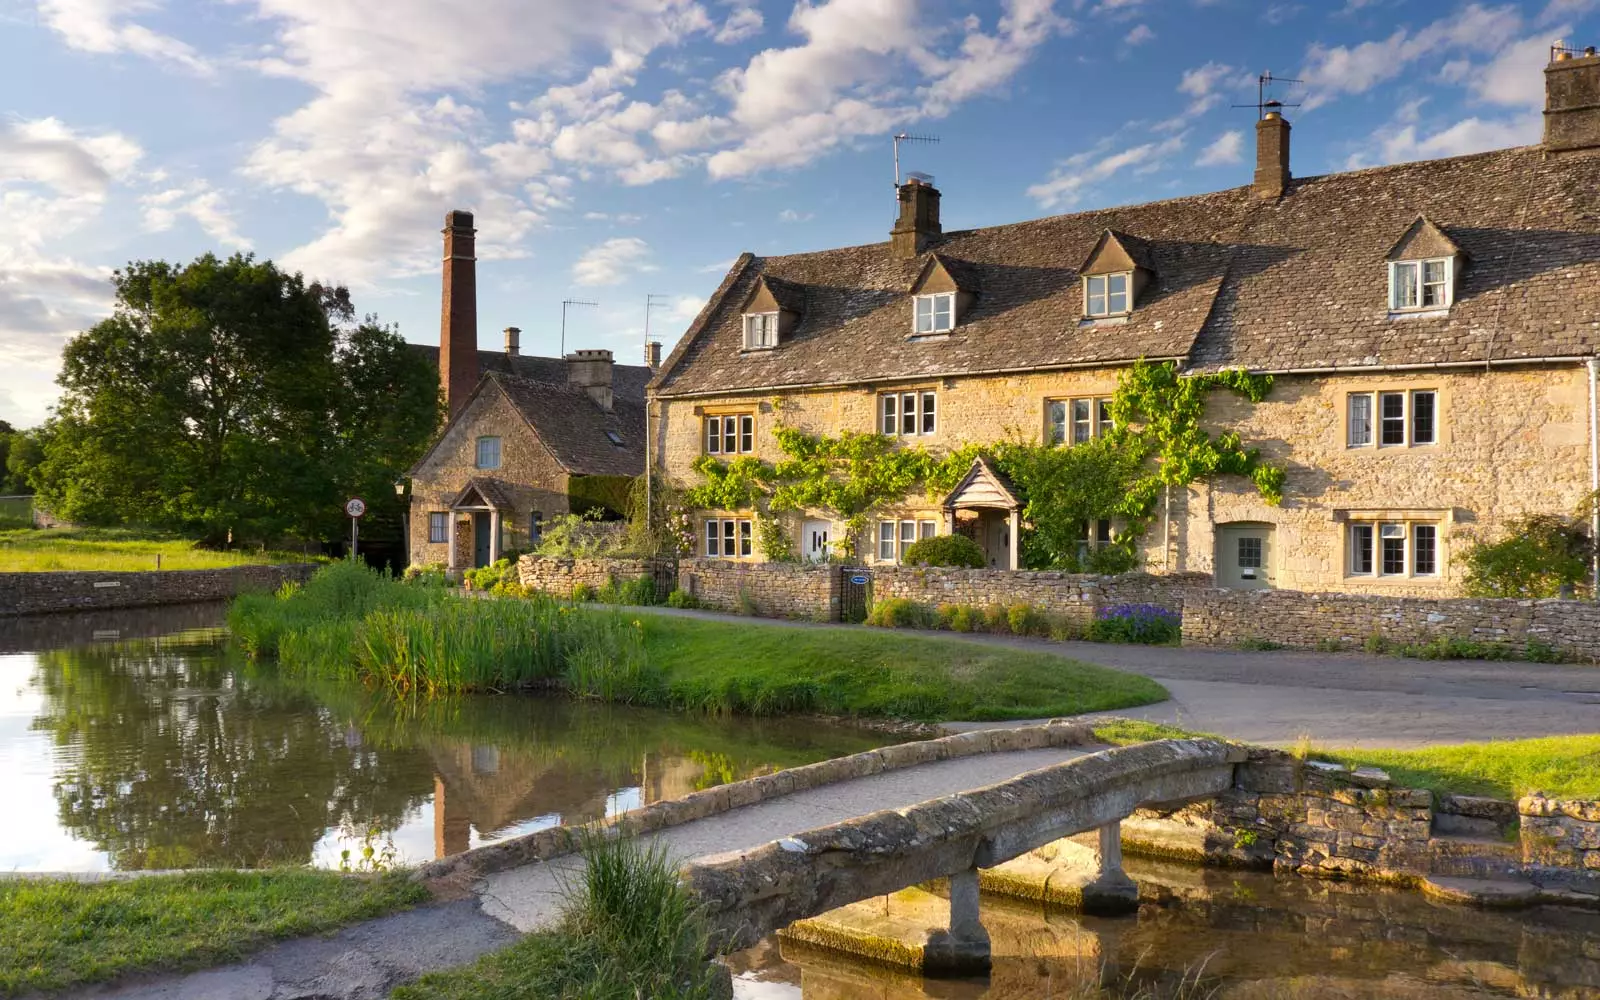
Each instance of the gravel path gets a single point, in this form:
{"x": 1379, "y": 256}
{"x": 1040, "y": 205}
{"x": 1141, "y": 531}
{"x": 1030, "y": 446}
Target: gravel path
{"x": 1337, "y": 699}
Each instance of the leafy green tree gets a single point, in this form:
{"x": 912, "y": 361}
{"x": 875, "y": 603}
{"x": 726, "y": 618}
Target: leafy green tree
{"x": 20, "y": 455}
{"x": 232, "y": 400}
{"x": 1538, "y": 556}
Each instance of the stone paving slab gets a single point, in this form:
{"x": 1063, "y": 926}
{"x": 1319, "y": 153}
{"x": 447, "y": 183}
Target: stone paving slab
{"x": 530, "y": 897}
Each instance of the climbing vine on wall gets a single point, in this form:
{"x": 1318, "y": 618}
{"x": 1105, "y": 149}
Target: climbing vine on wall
{"x": 1157, "y": 442}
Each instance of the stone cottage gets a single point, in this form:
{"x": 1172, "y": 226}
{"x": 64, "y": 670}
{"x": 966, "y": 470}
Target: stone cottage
{"x": 1431, "y": 328}
{"x": 527, "y": 437}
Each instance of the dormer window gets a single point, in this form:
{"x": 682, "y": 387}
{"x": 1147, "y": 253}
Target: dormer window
{"x": 760, "y": 331}
{"x": 1420, "y": 284}
{"x": 935, "y": 313}
{"x": 1106, "y": 294}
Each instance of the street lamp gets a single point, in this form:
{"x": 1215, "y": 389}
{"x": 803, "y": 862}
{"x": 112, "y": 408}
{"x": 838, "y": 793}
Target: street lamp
{"x": 405, "y": 531}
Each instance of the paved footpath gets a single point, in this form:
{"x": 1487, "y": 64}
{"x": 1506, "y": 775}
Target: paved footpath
{"x": 1337, "y": 699}
{"x": 368, "y": 960}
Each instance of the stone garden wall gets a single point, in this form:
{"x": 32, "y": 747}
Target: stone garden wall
{"x": 45, "y": 593}
{"x": 1228, "y": 617}
{"x": 771, "y": 590}
{"x": 1073, "y": 597}
{"x": 560, "y": 576}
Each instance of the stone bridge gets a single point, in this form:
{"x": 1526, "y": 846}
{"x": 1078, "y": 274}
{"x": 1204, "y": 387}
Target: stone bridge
{"x": 767, "y": 852}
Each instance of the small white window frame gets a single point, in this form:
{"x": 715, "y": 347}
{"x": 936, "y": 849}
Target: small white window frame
{"x": 481, "y": 458}
{"x": 760, "y": 331}
{"x": 721, "y": 428}
{"x": 438, "y": 527}
{"x": 933, "y": 313}
{"x": 1099, "y": 420}
{"x": 1375, "y": 419}
{"x": 729, "y": 538}
{"x": 897, "y": 535}
{"x": 1419, "y": 268}
{"x": 908, "y": 413}
{"x": 1099, "y": 286}
{"x": 1406, "y": 532}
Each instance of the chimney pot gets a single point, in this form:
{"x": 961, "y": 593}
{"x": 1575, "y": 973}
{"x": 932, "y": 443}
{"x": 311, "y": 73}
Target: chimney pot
{"x": 513, "y": 341}
{"x": 458, "y": 314}
{"x": 1272, "y": 155}
{"x": 1572, "y": 102}
{"x": 590, "y": 370}
{"x": 918, "y": 224}
{"x": 652, "y": 354}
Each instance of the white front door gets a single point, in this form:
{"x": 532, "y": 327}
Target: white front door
{"x": 814, "y": 542}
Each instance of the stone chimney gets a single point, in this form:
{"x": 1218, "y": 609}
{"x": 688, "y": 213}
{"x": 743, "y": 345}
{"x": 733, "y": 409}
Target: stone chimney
{"x": 1272, "y": 153}
{"x": 458, "y": 317}
{"x": 591, "y": 372}
{"x": 1572, "y": 101}
{"x": 652, "y": 354}
{"x": 513, "y": 341}
{"x": 918, "y": 224}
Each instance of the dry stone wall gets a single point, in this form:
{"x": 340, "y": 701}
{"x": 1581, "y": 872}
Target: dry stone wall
{"x": 46, "y": 593}
{"x": 771, "y": 590}
{"x": 1227, "y": 617}
{"x": 561, "y": 576}
{"x": 1561, "y": 835}
{"x": 1066, "y": 595}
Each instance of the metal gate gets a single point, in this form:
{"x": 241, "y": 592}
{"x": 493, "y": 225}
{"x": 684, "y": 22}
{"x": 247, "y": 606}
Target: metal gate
{"x": 855, "y": 593}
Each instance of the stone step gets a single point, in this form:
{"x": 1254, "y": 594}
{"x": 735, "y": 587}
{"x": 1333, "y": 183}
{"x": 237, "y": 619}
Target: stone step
{"x": 1489, "y": 893}
{"x": 1473, "y": 857}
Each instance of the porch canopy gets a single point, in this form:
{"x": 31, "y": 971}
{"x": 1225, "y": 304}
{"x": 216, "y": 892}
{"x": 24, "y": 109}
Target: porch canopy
{"x": 479, "y": 496}
{"x": 986, "y": 490}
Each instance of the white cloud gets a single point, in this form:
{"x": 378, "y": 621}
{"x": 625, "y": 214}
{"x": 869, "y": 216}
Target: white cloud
{"x": 1558, "y": 10}
{"x": 101, "y": 26}
{"x": 1228, "y": 148}
{"x": 684, "y": 308}
{"x": 1207, "y": 85}
{"x": 1515, "y": 76}
{"x": 1074, "y": 176}
{"x": 1140, "y": 34}
{"x": 611, "y": 262}
{"x": 1344, "y": 69}
{"x": 790, "y": 215}
{"x": 743, "y": 23}
{"x": 200, "y": 202}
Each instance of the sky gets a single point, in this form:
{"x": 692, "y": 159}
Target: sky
{"x": 616, "y": 149}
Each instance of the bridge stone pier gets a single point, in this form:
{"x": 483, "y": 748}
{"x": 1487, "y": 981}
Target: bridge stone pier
{"x": 750, "y": 894}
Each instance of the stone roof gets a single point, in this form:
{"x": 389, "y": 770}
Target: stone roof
{"x": 575, "y": 429}
{"x": 627, "y": 380}
{"x": 1295, "y": 283}
{"x": 486, "y": 491}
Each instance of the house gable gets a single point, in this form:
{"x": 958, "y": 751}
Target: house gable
{"x": 1422, "y": 241}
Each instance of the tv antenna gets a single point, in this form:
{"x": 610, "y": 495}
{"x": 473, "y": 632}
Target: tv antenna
{"x": 652, "y": 301}
{"x": 564, "y": 304}
{"x": 906, "y": 137}
{"x": 1262, "y": 105}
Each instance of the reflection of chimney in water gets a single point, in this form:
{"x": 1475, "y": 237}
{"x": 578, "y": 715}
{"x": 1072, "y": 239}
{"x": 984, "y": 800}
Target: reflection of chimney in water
{"x": 452, "y": 834}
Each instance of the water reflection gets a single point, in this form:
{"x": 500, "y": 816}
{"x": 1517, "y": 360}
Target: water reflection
{"x": 1246, "y": 935}
{"x": 173, "y": 752}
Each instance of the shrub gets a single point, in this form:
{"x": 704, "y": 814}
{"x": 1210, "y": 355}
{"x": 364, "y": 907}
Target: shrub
{"x": 1254, "y": 644}
{"x": 747, "y": 604}
{"x": 996, "y": 619}
{"x": 429, "y": 575}
{"x": 582, "y": 592}
{"x": 1538, "y": 556}
{"x": 640, "y": 591}
{"x": 1066, "y": 630}
{"x": 1025, "y": 619}
{"x": 486, "y": 578}
{"x": 899, "y": 612}
{"x": 1143, "y": 623}
{"x": 965, "y": 619}
{"x": 945, "y": 550}
{"x": 682, "y": 599}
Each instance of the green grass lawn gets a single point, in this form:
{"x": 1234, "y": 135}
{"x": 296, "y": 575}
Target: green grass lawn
{"x": 57, "y": 934}
{"x": 1562, "y": 766}
{"x": 26, "y": 550}
{"x": 726, "y": 666}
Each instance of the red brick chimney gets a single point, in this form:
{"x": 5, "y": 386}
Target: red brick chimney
{"x": 458, "y": 317}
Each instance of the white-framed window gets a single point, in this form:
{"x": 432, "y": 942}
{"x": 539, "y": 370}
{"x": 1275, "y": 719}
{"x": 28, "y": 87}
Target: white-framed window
{"x": 1107, "y": 294}
{"x": 729, "y": 537}
{"x": 1392, "y": 419}
{"x": 1077, "y": 421}
{"x": 934, "y": 313}
{"x": 760, "y": 331}
{"x": 894, "y": 537}
{"x": 1392, "y": 549}
{"x": 438, "y": 526}
{"x": 489, "y": 452}
{"x": 1094, "y": 535}
{"x": 908, "y": 414}
{"x": 731, "y": 434}
{"x": 1420, "y": 284}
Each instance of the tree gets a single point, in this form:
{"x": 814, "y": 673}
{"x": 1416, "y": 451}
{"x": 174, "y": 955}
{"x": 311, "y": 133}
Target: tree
{"x": 20, "y": 454}
{"x": 232, "y": 400}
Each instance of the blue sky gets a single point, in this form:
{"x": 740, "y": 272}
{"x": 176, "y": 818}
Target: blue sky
{"x": 614, "y": 148}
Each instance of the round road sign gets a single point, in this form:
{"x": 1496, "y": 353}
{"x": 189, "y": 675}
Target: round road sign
{"x": 355, "y": 506}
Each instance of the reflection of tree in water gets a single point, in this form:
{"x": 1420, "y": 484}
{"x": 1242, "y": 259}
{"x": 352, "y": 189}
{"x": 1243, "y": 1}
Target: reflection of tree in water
{"x": 175, "y": 758}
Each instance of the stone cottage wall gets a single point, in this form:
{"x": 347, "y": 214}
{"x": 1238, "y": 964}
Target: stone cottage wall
{"x": 1227, "y": 617}
{"x": 1561, "y": 837}
{"x": 560, "y": 576}
{"x": 773, "y": 590}
{"x": 43, "y": 593}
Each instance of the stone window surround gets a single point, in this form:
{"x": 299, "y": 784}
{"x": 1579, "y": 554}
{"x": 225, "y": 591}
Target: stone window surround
{"x": 921, "y": 526}
{"x": 744, "y": 420}
{"x": 743, "y": 534}
{"x": 1374, "y": 387}
{"x": 1439, "y": 520}
{"x": 1099, "y": 418}
{"x": 922, "y": 394}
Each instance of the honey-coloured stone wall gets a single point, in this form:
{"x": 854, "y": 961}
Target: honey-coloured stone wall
{"x": 770, "y": 590}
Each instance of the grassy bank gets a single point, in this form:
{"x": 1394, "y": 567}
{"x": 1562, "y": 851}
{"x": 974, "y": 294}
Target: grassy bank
{"x": 352, "y": 624}
{"x": 1562, "y": 766}
{"x": 27, "y": 550}
{"x": 59, "y": 934}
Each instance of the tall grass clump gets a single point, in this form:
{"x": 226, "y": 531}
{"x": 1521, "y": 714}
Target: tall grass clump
{"x": 627, "y": 930}
{"x": 340, "y": 591}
